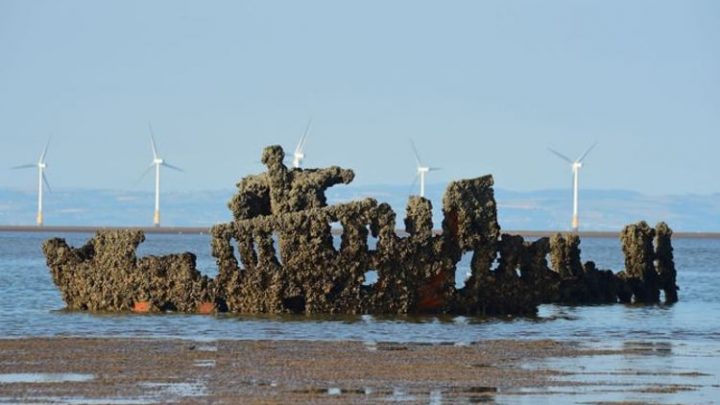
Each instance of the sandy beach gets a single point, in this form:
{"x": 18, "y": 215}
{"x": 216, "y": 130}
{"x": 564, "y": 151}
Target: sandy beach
{"x": 133, "y": 371}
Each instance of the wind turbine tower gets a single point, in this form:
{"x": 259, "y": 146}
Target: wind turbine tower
{"x": 422, "y": 170}
{"x": 42, "y": 181}
{"x": 575, "y": 166}
{"x": 299, "y": 153}
{"x": 156, "y": 163}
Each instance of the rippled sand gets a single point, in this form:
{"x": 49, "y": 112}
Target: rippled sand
{"x": 134, "y": 371}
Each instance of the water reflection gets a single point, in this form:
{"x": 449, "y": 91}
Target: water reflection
{"x": 644, "y": 371}
{"x": 43, "y": 378}
{"x": 30, "y": 305}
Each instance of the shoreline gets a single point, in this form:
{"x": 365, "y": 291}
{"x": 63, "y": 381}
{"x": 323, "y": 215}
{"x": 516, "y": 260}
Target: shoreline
{"x": 139, "y": 370}
{"x": 179, "y": 230}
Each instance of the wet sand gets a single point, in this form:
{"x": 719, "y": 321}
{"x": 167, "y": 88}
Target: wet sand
{"x": 133, "y": 371}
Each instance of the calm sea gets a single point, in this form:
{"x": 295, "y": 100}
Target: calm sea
{"x": 30, "y": 305}
{"x": 674, "y": 352}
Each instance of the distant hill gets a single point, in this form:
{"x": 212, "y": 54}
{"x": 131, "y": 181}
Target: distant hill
{"x": 600, "y": 210}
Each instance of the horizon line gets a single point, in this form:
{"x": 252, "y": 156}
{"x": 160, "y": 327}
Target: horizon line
{"x": 436, "y": 184}
{"x": 202, "y": 230}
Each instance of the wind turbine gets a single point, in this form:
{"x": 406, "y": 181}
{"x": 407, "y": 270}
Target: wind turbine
{"x": 299, "y": 153}
{"x": 422, "y": 170}
{"x": 41, "y": 166}
{"x": 156, "y": 163}
{"x": 575, "y": 167}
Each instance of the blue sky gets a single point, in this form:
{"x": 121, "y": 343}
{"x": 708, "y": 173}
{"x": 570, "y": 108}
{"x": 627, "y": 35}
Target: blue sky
{"x": 481, "y": 87}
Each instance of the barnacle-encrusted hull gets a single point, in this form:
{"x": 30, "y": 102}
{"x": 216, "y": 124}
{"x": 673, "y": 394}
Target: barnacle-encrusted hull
{"x": 288, "y": 263}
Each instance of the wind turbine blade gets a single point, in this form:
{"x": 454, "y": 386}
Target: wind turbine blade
{"x": 152, "y": 141}
{"x": 142, "y": 176}
{"x": 560, "y": 155}
{"x": 580, "y": 159}
{"x": 417, "y": 155}
{"x": 27, "y": 166}
{"x": 45, "y": 180}
{"x": 303, "y": 139}
{"x": 169, "y": 166}
{"x": 44, "y": 152}
{"x": 434, "y": 169}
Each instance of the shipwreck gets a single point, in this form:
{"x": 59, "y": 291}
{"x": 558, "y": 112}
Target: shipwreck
{"x": 277, "y": 256}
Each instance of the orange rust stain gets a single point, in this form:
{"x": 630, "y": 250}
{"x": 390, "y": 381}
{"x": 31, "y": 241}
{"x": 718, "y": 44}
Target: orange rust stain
{"x": 429, "y": 295}
{"x": 141, "y": 306}
{"x": 206, "y": 308}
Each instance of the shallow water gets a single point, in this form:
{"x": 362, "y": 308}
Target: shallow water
{"x": 657, "y": 372}
{"x": 675, "y": 350}
{"x": 43, "y": 378}
{"x": 30, "y": 305}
